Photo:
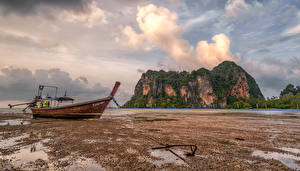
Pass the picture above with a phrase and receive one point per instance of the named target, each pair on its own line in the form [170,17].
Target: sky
[84,46]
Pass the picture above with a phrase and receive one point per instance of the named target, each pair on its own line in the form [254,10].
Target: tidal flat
[123,140]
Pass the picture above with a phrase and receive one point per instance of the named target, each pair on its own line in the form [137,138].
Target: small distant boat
[48,107]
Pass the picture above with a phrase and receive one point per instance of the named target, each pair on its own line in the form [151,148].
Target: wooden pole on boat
[114,90]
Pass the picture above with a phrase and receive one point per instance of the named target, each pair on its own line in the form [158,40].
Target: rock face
[169,90]
[241,88]
[199,89]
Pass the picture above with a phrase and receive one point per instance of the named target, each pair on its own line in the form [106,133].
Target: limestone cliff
[199,89]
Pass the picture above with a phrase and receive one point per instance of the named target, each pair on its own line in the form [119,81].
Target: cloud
[26,39]
[275,40]
[194,21]
[75,11]
[30,7]
[234,7]
[90,16]
[211,54]
[14,37]
[136,41]
[259,50]
[160,28]
[238,7]
[20,84]
[293,30]
[202,19]
[274,74]
[174,3]
[140,71]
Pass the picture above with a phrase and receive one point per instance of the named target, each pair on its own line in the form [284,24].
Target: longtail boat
[90,109]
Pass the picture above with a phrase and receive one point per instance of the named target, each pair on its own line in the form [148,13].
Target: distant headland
[226,86]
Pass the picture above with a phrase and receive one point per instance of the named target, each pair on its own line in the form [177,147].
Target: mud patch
[225,142]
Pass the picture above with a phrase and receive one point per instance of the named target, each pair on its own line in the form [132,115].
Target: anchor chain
[167,147]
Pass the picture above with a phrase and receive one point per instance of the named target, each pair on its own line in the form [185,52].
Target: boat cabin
[50,102]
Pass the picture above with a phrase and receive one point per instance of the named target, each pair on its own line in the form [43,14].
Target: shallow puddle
[35,157]
[29,157]
[286,159]
[4,143]
[292,150]
[167,157]
[85,164]
[91,141]
[13,122]
[272,137]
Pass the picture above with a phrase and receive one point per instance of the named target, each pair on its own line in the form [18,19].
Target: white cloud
[293,30]
[91,17]
[175,3]
[203,19]
[214,53]
[18,35]
[160,28]
[234,7]
[237,7]
[194,21]
[26,39]
[136,41]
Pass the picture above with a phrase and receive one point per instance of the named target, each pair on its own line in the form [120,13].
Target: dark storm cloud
[28,7]
[21,84]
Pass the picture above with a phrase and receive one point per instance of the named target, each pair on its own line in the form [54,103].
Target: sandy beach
[123,140]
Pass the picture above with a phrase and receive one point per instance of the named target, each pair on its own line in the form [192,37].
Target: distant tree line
[289,99]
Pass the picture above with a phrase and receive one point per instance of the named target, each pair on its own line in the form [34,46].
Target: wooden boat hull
[89,109]
[92,109]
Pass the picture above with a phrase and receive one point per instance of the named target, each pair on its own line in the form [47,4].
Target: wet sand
[123,140]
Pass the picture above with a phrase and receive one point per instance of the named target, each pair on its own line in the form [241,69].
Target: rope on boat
[115,101]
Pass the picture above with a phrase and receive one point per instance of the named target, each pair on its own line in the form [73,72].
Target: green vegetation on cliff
[289,99]
[227,74]
[200,88]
